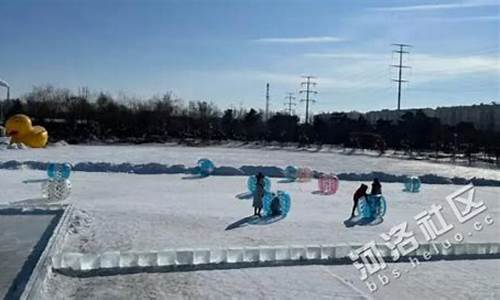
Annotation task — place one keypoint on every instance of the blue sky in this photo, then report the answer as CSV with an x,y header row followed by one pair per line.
x,y
224,51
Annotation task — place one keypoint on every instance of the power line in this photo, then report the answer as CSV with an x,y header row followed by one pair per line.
x,y
400,67
290,103
308,84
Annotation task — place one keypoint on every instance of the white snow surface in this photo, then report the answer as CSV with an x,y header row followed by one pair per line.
x,y
124,212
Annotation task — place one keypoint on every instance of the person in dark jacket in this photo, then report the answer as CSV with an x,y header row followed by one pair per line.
x,y
376,187
360,193
258,195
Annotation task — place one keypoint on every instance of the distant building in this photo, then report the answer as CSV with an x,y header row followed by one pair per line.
x,y
483,116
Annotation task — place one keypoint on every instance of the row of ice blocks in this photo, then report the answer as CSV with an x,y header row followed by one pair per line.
x,y
190,257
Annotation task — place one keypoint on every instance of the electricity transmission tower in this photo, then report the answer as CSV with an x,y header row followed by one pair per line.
x,y
267,101
308,84
400,67
290,103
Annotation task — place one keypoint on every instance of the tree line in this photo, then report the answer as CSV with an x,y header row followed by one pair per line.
x,y
79,119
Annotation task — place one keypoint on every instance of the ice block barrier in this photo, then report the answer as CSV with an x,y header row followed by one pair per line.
x,y
181,260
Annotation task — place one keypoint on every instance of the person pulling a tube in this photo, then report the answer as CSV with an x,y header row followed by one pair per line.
x,y
376,189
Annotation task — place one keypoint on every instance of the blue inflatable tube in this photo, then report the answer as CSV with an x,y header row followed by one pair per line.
x,y
372,206
206,166
413,184
252,183
291,172
283,208
58,171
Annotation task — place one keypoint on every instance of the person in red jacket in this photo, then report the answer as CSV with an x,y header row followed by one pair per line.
x,y
360,193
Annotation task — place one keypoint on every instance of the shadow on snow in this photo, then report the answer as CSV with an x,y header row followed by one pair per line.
x,y
254,220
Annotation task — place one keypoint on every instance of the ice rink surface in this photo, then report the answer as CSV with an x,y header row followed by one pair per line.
x,y
18,235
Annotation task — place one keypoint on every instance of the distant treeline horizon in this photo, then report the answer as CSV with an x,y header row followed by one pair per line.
x,y
77,119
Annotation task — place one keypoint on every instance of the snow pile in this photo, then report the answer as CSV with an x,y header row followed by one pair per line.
x,y
4,140
246,170
15,146
61,143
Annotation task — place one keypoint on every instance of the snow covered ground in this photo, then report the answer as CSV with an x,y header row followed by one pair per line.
x,y
129,212
115,211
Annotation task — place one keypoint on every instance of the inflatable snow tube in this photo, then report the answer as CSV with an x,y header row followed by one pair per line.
x,y
59,171
291,172
276,204
206,166
328,184
304,174
372,206
252,183
413,184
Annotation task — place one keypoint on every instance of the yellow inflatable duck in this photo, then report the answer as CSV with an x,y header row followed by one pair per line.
x,y
20,130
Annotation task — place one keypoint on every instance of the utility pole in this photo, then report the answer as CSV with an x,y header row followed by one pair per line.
x,y
400,67
290,103
308,84
7,86
83,92
267,101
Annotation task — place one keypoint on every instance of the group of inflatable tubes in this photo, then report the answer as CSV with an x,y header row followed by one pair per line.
x,y
328,184
371,206
298,174
58,187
